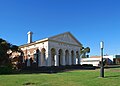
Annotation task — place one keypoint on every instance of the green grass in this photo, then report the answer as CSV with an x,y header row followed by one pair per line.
x,y
71,78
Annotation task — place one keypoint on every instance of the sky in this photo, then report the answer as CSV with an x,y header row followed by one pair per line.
x,y
90,21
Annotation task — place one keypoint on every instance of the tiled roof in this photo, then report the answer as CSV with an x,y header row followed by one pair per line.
x,y
95,57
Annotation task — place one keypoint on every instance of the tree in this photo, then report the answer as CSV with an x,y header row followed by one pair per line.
x,y
6,50
84,51
82,54
87,50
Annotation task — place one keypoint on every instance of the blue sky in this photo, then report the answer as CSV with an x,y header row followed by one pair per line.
x,y
90,21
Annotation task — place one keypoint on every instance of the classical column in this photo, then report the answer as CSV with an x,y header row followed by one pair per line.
x,y
70,58
35,58
48,59
43,59
79,59
39,59
23,58
74,58
66,58
28,62
56,60
63,58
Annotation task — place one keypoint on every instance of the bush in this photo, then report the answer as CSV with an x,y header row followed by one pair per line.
x,y
88,65
6,70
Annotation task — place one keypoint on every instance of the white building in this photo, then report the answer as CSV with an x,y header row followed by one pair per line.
x,y
62,49
95,60
92,61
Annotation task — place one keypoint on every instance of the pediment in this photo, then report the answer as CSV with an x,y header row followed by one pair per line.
x,y
66,38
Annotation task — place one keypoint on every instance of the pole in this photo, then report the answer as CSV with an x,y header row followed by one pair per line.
x,y
102,65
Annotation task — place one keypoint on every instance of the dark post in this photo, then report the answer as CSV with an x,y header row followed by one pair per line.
x,y
102,65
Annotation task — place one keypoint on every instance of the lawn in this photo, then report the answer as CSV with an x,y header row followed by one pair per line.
x,y
70,78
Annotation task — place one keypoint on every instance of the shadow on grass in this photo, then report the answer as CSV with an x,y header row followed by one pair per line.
x,y
109,66
29,84
115,76
112,66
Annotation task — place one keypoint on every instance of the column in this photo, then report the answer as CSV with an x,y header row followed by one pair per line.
x,y
35,58
39,59
67,59
70,58
45,58
23,59
41,55
79,62
28,62
63,59
74,58
48,59
56,60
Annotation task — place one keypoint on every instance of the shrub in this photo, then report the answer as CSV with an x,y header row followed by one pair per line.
x,y
6,70
88,65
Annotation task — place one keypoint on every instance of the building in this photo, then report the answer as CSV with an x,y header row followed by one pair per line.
x,y
62,49
116,60
95,60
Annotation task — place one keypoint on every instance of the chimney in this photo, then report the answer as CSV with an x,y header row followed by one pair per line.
x,y
29,37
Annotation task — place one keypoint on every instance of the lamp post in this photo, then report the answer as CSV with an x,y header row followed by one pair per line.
x,y
102,65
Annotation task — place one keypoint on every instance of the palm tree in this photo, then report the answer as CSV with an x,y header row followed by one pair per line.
x,y
87,50
84,51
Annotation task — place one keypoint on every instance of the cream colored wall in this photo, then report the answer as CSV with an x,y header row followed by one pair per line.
x,y
56,45
63,46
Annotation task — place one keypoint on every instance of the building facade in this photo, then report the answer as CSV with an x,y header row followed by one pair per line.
x,y
59,50
95,60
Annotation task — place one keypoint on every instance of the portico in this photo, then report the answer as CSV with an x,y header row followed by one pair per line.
x,y
59,50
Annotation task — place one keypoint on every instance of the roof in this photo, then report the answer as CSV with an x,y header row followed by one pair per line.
x,y
68,34
51,38
95,57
